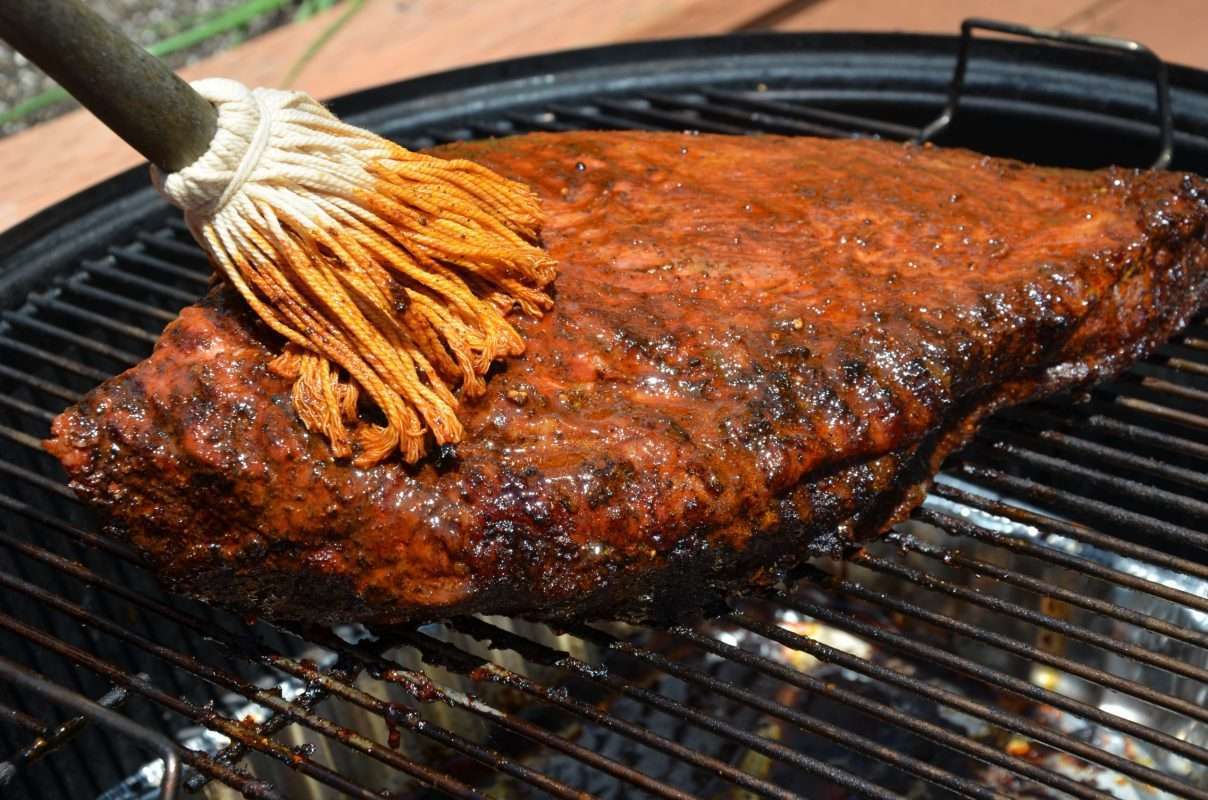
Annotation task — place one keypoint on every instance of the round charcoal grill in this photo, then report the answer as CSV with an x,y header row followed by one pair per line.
x,y
1039,630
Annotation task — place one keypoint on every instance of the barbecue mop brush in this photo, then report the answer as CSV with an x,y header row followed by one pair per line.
x,y
389,274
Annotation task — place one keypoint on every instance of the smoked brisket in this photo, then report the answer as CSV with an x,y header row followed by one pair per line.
x,y
761,348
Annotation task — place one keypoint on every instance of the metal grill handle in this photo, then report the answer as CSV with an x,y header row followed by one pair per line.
x,y
1111,44
29,680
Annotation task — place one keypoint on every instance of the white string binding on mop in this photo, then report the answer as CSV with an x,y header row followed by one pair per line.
x,y
270,145
251,158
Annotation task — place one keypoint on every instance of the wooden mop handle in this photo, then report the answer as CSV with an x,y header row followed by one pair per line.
x,y
127,88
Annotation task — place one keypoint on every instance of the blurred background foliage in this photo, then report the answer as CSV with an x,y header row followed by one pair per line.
x,y
178,31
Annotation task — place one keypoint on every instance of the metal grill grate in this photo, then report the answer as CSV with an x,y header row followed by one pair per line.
x,y
1040,630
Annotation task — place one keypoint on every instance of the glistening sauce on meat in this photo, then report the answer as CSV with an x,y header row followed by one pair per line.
x,y
760,347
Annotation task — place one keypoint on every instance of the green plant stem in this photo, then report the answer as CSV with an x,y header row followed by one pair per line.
x,y
309,8
217,25
351,7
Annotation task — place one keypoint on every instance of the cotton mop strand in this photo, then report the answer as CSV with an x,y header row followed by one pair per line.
x,y
389,275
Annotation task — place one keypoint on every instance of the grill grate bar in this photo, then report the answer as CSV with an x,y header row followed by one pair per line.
x,y
100,348
39,481
180,296
981,567
956,742
1101,417
1071,529
1008,644
106,543
959,527
21,438
93,318
176,247
1145,436
26,408
1077,504
847,124
1123,487
1008,608
62,362
1175,389
130,255
998,717
23,720
105,298
594,118
1105,454
1163,412
666,120
848,739
41,384
750,120
1191,367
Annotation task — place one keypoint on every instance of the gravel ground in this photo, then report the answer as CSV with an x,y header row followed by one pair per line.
x,y
147,22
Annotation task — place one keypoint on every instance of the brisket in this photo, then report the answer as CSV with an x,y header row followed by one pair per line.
x,y
761,348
